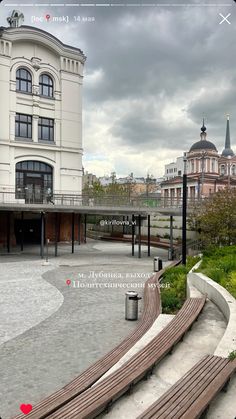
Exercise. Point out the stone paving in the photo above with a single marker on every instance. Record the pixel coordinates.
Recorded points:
(20, 289)
(47, 343)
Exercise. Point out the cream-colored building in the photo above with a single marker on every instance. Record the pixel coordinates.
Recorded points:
(41, 114)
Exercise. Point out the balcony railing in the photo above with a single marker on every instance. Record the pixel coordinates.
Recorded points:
(76, 200)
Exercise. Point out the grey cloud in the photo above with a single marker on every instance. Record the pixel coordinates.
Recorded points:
(154, 57)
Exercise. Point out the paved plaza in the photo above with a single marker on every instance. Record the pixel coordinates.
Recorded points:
(51, 331)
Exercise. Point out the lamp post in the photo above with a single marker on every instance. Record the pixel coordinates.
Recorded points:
(184, 212)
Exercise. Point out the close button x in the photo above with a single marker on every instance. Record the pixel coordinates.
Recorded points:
(225, 18)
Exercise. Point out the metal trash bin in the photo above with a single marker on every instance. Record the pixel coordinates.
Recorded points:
(157, 264)
(131, 305)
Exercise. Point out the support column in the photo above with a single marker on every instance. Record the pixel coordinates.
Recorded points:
(42, 235)
(171, 238)
(123, 224)
(56, 233)
(22, 232)
(139, 236)
(8, 231)
(73, 233)
(85, 228)
(133, 234)
(79, 229)
(35, 120)
(149, 226)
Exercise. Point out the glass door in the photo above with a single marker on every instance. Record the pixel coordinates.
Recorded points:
(34, 189)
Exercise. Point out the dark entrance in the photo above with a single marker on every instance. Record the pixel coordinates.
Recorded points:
(33, 181)
(31, 231)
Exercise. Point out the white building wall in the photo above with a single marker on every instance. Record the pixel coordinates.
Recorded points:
(41, 54)
(174, 169)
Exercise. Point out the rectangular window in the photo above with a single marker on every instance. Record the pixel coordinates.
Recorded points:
(23, 126)
(46, 129)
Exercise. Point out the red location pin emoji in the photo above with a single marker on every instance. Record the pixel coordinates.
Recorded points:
(47, 17)
(68, 281)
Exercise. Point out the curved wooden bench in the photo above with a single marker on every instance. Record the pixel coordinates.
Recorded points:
(191, 395)
(87, 378)
(98, 398)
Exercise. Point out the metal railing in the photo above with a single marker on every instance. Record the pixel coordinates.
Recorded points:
(70, 199)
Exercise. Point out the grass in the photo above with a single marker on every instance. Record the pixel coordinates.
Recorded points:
(219, 264)
(173, 297)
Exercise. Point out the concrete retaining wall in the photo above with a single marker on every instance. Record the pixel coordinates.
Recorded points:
(225, 302)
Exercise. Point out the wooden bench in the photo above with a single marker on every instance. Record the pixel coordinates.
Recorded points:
(151, 309)
(190, 397)
(95, 400)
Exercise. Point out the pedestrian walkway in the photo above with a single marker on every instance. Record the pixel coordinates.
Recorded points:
(44, 353)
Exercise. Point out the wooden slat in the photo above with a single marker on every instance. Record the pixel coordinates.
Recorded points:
(204, 399)
(177, 408)
(190, 396)
(87, 378)
(93, 401)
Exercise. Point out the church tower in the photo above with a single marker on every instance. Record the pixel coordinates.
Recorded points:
(227, 150)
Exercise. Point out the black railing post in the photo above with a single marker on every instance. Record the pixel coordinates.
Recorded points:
(56, 233)
(8, 231)
(42, 235)
(149, 226)
(184, 215)
(139, 236)
(171, 238)
(79, 229)
(73, 233)
(85, 228)
(22, 232)
(133, 233)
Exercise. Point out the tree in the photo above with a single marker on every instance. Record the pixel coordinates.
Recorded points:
(94, 190)
(215, 218)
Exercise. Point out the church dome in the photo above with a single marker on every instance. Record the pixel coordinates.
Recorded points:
(203, 144)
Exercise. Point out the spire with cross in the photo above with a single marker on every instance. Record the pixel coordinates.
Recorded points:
(227, 150)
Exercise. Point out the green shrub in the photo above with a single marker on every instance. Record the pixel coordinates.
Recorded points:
(232, 355)
(172, 298)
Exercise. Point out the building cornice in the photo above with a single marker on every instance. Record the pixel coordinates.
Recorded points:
(36, 35)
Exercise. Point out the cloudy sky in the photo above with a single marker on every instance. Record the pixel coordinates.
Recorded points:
(151, 74)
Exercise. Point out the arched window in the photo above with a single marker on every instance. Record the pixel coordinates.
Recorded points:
(45, 85)
(34, 181)
(213, 165)
(23, 81)
(233, 170)
(222, 169)
(192, 166)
